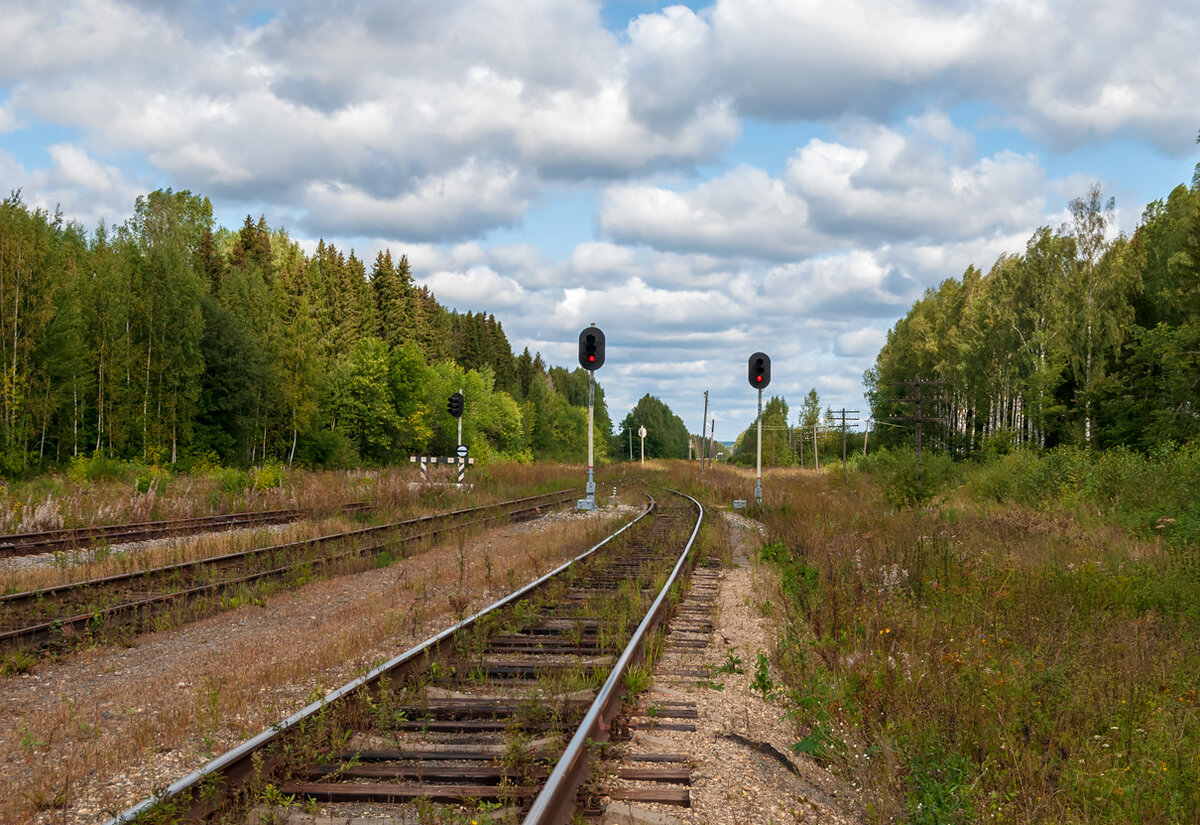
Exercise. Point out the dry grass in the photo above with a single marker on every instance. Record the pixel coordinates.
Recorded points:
(101, 731)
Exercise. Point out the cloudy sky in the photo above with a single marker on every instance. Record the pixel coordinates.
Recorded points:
(701, 181)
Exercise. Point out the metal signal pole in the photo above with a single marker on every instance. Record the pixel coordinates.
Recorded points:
(703, 431)
(591, 482)
(758, 480)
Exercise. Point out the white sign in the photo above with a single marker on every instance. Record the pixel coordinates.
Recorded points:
(462, 450)
(641, 432)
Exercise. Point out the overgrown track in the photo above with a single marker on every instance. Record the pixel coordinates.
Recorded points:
(78, 538)
(66, 612)
(505, 709)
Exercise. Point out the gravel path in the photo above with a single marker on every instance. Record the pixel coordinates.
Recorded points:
(742, 741)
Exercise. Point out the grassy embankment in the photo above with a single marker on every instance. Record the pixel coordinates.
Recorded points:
(1025, 648)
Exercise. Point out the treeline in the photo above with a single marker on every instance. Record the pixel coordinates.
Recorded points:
(1081, 340)
(816, 439)
(666, 434)
(169, 339)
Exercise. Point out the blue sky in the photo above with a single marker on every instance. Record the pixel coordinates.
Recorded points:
(701, 180)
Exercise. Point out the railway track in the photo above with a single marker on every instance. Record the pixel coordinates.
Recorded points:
(79, 538)
(497, 718)
(64, 613)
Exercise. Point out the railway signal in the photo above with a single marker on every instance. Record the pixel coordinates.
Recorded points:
(591, 348)
(591, 358)
(759, 367)
(455, 405)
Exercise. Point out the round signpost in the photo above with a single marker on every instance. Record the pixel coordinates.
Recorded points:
(642, 435)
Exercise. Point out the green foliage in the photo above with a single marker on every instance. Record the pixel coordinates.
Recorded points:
(666, 435)
(1155, 494)
(168, 339)
(232, 480)
(902, 480)
(1080, 340)
(93, 468)
(939, 787)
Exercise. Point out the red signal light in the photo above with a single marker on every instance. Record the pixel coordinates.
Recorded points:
(591, 358)
(758, 378)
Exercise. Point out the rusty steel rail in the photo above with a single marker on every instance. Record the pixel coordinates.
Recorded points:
(77, 538)
(47, 626)
(239, 763)
(555, 804)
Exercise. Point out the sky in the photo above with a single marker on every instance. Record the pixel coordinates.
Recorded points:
(701, 181)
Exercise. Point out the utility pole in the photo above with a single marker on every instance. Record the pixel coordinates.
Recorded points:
(866, 435)
(703, 430)
(917, 418)
(844, 413)
(816, 452)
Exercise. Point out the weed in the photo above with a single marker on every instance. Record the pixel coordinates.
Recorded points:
(732, 664)
(637, 678)
(17, 661)
(762, 681)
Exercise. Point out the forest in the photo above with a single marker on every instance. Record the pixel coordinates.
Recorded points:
(1085, 339)
(170, 340)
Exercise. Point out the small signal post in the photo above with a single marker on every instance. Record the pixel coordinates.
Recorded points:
(759, 375)
(591, 358)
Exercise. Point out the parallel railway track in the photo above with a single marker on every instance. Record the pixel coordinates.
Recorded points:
(61, 613)
(505, 708)
(78, 538)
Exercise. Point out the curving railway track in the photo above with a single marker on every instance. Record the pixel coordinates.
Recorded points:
(497, 717)
(64, 613)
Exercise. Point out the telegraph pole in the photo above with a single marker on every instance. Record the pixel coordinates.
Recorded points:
(917, 418)
(844, 413)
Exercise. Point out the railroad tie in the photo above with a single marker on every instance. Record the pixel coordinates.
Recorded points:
(654, 765)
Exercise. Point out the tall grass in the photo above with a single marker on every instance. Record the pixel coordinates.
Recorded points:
(985, 662)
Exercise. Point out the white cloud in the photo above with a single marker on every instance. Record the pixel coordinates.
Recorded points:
(599, 258)
(87, 190)
(881, 186)
(744, 212)
(860, 343)
(470, 199)
(479, 289)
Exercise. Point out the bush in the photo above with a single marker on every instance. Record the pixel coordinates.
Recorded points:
(328, 449)
(232, 482)
(897, 470)
(98, 466)
(268, 476)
